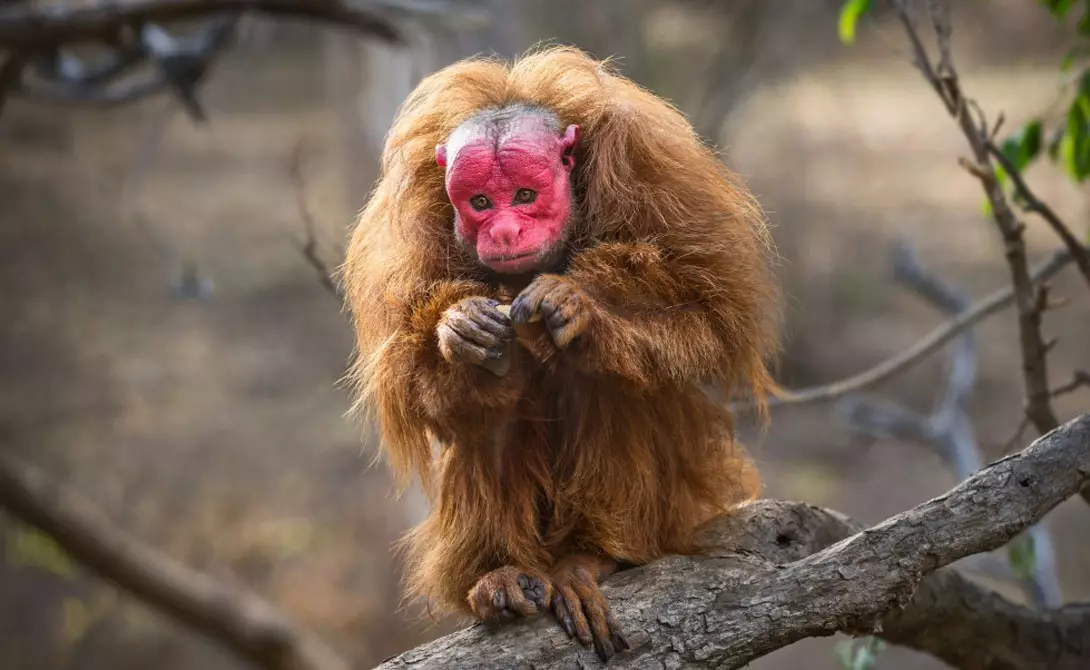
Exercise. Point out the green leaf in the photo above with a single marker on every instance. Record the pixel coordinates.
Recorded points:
(1024, 146)
(1076, 149)
(31, 547)
(1022, 556)
(850, 12)
(1059, 8)
(1083, 26)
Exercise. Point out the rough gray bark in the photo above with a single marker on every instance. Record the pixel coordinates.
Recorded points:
(789, 571)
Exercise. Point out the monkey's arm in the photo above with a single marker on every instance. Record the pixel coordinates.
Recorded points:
(625, 310)
(414, 378)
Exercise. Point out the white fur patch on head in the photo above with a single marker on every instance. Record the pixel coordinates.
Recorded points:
(499, 124)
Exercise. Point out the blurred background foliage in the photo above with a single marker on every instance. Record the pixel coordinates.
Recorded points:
(167, 351)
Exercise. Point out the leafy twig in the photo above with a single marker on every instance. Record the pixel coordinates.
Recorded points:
(1035, 205)
(975, 129)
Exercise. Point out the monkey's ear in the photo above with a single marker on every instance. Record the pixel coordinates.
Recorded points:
(441, 155)
(571, 136)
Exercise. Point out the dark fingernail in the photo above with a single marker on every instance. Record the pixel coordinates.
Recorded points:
(620, 642)
(604, 649)
(524, 582)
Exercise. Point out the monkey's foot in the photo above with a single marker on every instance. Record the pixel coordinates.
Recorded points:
(581, 609)
(502, 595)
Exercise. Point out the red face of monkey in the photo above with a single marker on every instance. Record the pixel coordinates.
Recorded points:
(511, 191)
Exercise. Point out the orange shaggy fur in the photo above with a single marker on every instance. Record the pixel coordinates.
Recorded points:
(609, 446)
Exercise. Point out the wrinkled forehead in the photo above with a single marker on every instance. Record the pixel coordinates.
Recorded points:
(510, 133)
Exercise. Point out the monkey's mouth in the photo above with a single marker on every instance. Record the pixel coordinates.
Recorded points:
(514, 263)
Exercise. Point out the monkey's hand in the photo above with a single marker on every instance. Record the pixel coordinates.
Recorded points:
(504, 594)
(563, 306)
(474, 331)
(580, 607)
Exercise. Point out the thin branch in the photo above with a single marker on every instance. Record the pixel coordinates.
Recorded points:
(788, 571)
(1035, 205)
(309, 245)
(239, 620)
(1038, 406)
(929, 344)
(1079, 378)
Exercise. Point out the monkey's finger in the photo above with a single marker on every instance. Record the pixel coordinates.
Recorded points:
(478, 331)
(563, 614)
(524, 308)
(617, 636)
(578, 618)
(516, 600)
(597, 613)
(490, 317)
(456, 348)
(499, 599)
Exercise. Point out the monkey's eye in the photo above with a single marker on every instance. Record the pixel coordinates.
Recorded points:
(524, 196)
(480, 202)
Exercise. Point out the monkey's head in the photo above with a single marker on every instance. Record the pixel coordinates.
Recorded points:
(508, 176)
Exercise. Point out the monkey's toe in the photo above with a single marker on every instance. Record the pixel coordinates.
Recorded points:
(581, 609)
(507, 593)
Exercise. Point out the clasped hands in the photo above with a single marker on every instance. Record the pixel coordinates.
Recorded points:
(479, 330)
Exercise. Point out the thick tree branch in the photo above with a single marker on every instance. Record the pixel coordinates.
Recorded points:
(790, 571)
(947, 428)
(241, 621)
(29, 28)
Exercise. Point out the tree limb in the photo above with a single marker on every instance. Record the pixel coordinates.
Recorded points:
(241, 621)
(789, 571)
(35, 28)
(948, 428)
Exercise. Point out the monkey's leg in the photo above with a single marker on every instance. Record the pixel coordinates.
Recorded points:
(580, 607)
(509, 592)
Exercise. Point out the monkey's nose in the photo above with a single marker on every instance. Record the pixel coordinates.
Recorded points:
(505, 233)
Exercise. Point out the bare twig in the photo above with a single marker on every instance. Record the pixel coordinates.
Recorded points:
(927, 345)
(1038, 406)
(948, 427)
(1079, 378)
(790, 571)
(240, 620)
(309, 245)
(1035, 205)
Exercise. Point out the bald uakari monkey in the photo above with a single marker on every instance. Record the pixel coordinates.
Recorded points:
(550, 273)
